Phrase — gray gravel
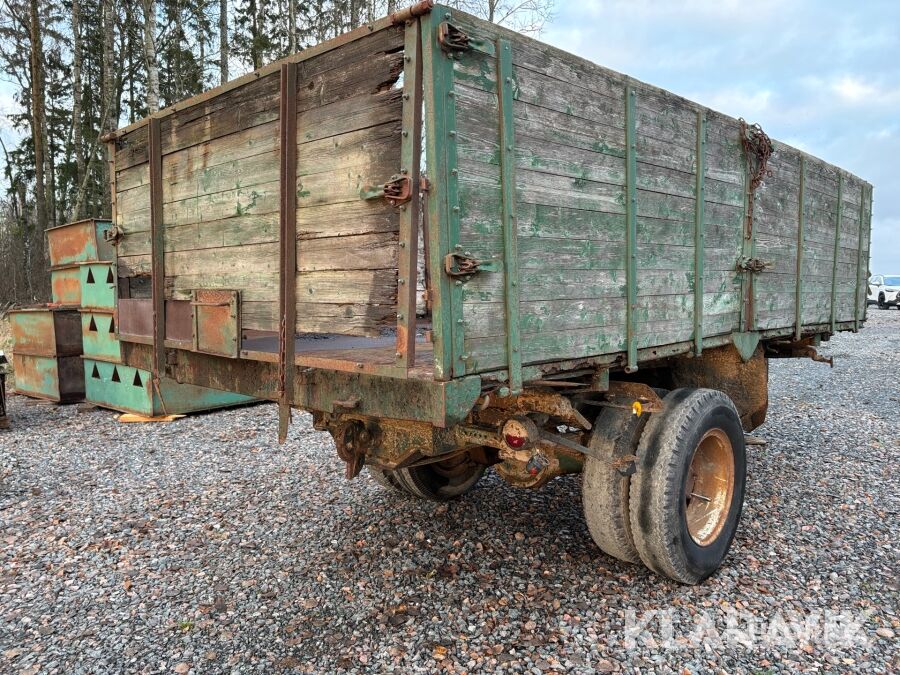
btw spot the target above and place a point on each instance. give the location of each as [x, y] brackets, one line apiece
[203, 546]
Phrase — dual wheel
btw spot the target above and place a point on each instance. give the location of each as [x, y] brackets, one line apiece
[678, 513]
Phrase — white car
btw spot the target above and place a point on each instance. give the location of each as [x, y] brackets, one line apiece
[884, 290]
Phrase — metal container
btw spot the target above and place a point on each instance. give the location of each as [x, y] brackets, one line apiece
[59, 379]
[81, 241]
[98, 335]
[43, 331]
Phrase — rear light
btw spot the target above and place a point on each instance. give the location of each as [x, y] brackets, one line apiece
[515, 441]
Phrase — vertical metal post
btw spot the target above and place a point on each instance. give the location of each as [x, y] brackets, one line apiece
[699, 231]
[157, 250]
[630, 231]
[442, 228]
[801, 217]
[837, 245]
[411, 213]
[859, 296]
[510, 223]
[287, 297]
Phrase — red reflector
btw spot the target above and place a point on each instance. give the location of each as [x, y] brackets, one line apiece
[515, 441]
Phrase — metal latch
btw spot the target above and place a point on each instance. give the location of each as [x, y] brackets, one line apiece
[113, 234]
[452, 39]
[398, 190]
[465, 265]
[753, 264]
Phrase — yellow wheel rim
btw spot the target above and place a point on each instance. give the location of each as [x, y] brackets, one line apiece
[709, 487]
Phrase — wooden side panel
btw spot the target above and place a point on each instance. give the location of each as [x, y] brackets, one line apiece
[220, 174]
[571, 129]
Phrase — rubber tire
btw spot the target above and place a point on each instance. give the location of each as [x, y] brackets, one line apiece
[387, 479]
[604, 491]
[426, 483]
[657, 505]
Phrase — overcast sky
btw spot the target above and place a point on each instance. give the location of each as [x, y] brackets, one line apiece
[821, 75]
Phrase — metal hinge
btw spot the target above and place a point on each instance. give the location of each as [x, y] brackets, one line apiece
[452, 39]
[746, 264]
[113, 234]
[398, 190]
[465, 265]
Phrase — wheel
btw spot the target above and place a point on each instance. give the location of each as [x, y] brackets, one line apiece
[386, 479]
[604, 489]
[438, 482]
[881, 304]
[688, 490]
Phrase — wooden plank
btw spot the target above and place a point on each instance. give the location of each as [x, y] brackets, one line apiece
[351, 252]
[157, 252]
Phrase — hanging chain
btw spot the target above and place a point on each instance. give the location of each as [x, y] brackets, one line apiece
[758, 149]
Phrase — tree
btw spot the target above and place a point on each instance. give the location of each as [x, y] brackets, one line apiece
[150, 55]
[38, 131]
[223, 41]
[525, 16]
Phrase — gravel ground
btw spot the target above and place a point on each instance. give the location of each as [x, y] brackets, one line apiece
[203, 546]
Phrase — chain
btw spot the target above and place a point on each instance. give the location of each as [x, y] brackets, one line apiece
[758, 149]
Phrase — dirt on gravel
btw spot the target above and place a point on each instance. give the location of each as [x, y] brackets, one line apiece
[203, 546]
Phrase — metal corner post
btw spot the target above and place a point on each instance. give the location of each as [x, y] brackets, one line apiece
[510, 223]
[859, 296]
[801, 217]
[699, 231]
[287, 296]
[411, 213]
[157, 251]
[837, 248]
[442, 232]
[630, 231]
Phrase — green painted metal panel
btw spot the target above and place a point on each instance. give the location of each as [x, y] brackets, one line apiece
[128, 389]
[837, 248]
[508, 214]
[699, 231]
[98, 332]
[630, 231]
[98, 286]
[801, 218]
[443, 177]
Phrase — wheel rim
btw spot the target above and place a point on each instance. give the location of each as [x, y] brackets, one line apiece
[709, 487]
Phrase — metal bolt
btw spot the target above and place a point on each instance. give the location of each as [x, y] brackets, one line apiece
[407, 58]
[460, 321]
[451, 94]
[359, 365]
[509, 80]
[515, 350]
[400, 317]
[458, 282]
[402, 244]
[503, 392]
[454, 172]
[452, 134]
[458, 247]
[402, 208]
[464, 357]
[405, 133]
[405, 97]
[456, 208]
[514, 283]
[401, 281]
[399, 355]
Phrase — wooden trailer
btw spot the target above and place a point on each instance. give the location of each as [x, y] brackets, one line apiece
[459, 247]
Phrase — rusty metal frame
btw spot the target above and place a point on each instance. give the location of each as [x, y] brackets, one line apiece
[411, 212]
[157, 250]
[630, 231]
[287, 239]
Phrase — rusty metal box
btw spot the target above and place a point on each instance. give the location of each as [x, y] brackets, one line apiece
[53, 378]
[43, 331]
[81, 241]
[65, 285]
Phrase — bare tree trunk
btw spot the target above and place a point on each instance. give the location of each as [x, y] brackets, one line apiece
[108, 87]
[37, 130]
[258, 29]
[223, 41]
[150, 55]
[77, 139]
[292, 26]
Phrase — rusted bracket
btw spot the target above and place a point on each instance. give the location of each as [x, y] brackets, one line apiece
[113, 234]
[452, 39]
[746, 264]
[634, 396]
[465, 265]
[398, 190]
[794, 350]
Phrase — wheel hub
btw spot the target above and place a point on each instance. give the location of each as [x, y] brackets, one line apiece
[709, 487]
